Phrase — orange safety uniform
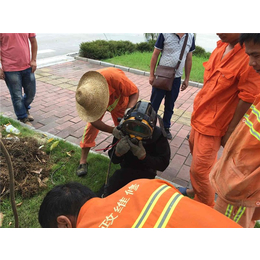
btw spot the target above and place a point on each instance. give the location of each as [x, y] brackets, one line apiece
[120, 88]
[236, 176]
[145, 203]
[226, 81]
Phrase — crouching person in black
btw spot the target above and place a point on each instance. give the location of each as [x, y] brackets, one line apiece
[140, 147]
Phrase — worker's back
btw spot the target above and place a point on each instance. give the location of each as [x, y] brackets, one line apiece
[147, 203]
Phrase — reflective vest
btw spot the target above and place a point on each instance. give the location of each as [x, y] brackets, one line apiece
[145, 203]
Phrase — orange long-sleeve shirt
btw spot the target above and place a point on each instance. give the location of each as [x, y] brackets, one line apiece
[120, 88]
[145, 203]
[236, 176]
[225, 82]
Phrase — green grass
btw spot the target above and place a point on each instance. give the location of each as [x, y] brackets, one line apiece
[141, 61]
[63, 170]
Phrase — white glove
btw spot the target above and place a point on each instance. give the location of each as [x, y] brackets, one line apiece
[123, 146]
[117, 133]
[138, 150]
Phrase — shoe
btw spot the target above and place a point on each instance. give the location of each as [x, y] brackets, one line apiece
[25, 121]
[82, 170]
[29, 116]
[168, 133]
[183, 191]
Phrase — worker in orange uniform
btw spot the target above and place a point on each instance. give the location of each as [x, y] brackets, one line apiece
[230, 87]
[236, 176]
[142, 203]
[99, 91]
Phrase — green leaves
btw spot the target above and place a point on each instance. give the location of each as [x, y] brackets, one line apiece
[54, 145]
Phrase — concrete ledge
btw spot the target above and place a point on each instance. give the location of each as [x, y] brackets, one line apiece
[195, 84]
[81, 58]
[94, 61]
[122, 68]
[107, 64]
[136, 71]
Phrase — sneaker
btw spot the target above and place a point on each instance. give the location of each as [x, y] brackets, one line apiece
[25, 121]
[168, 133]
[30, 117]
[82, 170]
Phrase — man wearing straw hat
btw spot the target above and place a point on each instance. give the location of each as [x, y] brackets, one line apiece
[99, 91]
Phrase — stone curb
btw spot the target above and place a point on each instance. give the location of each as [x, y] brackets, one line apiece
[128, 69]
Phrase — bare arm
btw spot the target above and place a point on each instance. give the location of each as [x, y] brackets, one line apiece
[241, 109]
[133, 99]
[102, 126]
[188, 65]
[34, 48]
[153, 62]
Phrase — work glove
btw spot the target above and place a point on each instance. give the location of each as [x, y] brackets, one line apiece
[117, 133]
[137, 150]
[123, 146]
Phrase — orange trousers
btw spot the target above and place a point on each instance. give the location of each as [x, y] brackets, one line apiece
[244, 216]
[90, 132]
[204, 150]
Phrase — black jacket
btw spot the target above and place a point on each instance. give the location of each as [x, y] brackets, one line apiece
[158, 154]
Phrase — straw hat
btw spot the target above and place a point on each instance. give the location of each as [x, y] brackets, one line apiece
[92, 96]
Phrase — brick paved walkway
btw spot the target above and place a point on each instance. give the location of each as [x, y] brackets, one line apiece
[54, 112]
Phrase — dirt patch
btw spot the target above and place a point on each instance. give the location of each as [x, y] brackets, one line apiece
[30, 166]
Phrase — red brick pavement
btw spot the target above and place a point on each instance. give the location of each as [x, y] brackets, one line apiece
[54, 112]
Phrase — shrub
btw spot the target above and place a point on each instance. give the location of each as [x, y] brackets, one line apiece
[121, 47]
[200, 52]
[99, 49]
[145, 46]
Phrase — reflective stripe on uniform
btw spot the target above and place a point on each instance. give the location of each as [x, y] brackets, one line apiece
[84, 133]
[168, 210]
[150, 204]
[252, 130]
[256, 112]
[229, 211]
[112, 106]
[239, 214]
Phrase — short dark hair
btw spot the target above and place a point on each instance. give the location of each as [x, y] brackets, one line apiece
[65, 199]
[247, 37]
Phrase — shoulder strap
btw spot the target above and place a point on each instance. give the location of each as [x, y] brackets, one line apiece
[182, 51]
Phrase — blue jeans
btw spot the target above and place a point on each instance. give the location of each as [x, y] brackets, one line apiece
[170, 98]
[16, 81]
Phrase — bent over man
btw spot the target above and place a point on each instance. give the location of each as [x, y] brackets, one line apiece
[142, 203]
[99, 91]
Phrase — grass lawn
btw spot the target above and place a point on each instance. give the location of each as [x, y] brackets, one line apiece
[63, 169]
[141, 61]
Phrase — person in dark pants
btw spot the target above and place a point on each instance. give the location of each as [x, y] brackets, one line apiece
[138, 158]
[169, 45]
[18, 53]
